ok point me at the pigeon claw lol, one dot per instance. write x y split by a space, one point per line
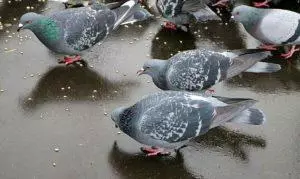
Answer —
170 25
267 47
221 3
153 151
71 60
261 4
290 53
210 91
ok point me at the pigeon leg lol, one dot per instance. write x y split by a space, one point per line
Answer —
170 25
154 151
261 4
221 3
210 91
290 53
70 60
267 47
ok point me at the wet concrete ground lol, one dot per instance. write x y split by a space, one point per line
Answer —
45 107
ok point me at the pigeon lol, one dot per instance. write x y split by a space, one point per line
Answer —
180 13
196 70
168 120
72 31
272 27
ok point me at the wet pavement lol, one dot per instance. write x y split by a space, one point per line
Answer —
55 123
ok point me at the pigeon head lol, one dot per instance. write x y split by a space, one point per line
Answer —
242 13
157 70
153 67
247 15
116 115
28 20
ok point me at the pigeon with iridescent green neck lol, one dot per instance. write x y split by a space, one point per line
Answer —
72 31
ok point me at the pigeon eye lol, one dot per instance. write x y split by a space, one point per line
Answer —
28 22
147 67
238 13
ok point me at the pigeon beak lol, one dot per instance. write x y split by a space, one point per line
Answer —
140 72
20 27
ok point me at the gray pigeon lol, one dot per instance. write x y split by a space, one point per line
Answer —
168 120
181 12
195 70
272 27
71 31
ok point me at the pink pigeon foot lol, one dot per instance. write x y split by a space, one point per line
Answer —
71 60
153 151
290 53
210 91
268 47
221 3
170 25
261 4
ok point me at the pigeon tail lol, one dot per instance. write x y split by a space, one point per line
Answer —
250 116
244 60
226 113
206 14
140 14
264 67
127 12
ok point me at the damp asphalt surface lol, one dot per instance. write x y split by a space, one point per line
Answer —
55 122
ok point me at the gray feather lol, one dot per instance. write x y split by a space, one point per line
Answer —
195 70
264 67
170 119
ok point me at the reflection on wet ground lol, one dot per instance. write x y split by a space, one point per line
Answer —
286 80
72 84
167 43
132 165
85 133
229 141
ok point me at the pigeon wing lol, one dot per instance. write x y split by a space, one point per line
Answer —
279 27
84 27
169 8
195 70
177 119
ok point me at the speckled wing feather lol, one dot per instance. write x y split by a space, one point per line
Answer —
194 5
177 119
197 69
169 8
279 27
84 27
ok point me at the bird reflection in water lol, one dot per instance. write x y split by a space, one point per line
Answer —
139 166
167 43
136 166
228 141
283 81
74 84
